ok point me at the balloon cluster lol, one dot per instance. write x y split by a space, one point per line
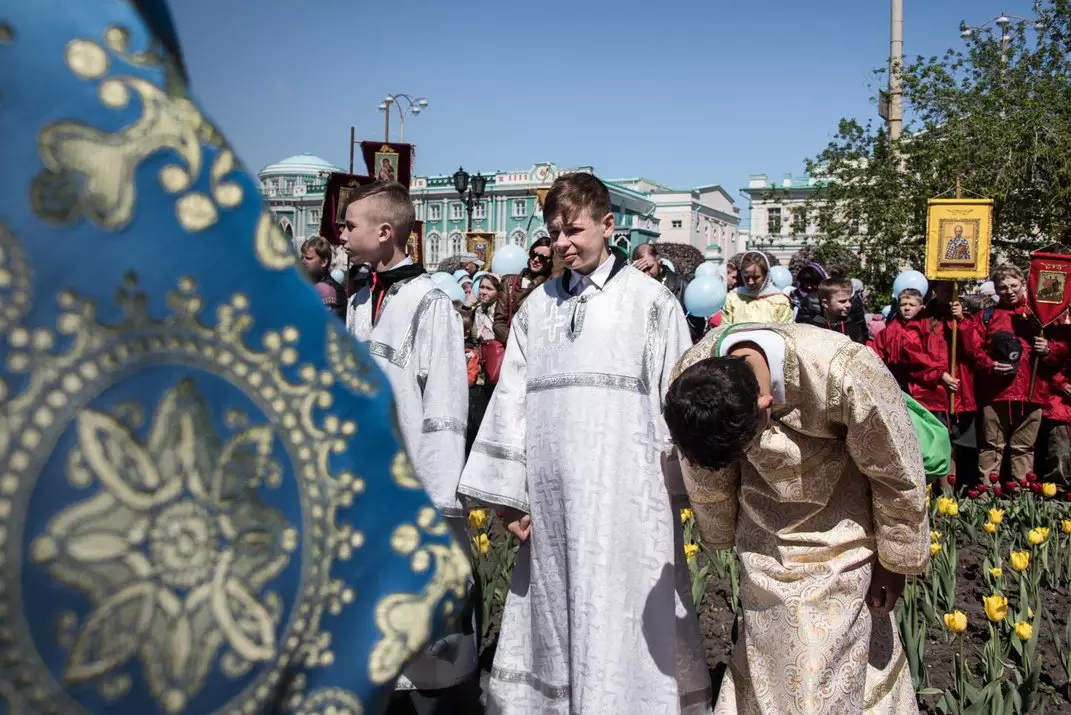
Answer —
704 296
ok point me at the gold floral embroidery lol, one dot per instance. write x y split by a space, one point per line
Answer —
358 376
405 619
332 701
404 474
14 281
172 545
91 172
270 245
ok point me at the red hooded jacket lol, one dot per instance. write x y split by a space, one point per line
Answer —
889 344
926 357
991 387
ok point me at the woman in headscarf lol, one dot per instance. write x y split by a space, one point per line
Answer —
805 298
756 299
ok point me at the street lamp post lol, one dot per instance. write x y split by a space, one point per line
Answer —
412 106
470 189
1005 22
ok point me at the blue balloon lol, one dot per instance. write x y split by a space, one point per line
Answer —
886 311
453 289
478 275
509 260
704 296
442 278
781 277
706 268
460 273
910 279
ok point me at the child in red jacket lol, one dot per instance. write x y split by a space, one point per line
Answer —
926 358
1053 461
889 343
1011 407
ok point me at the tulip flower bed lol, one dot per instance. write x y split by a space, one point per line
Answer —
986 630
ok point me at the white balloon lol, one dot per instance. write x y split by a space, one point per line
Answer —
453 289
509 260
707 268
442 278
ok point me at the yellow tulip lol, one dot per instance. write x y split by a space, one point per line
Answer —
943 504
686 515
997 572
1020 560
482 544
935 535
929 488
927 502
956 621
952 509
1066 526
1044 532
935 549
996 607
1024 630
478 518
690 550
996 515
990 527
1036 536
1048 489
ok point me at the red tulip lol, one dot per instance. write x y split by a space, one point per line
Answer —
951 480
1024 483
1035 487
1010 487
500 514
994 478
1031 477
997 491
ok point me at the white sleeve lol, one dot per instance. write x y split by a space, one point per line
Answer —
496 472
443 379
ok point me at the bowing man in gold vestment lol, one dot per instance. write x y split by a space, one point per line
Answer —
796 447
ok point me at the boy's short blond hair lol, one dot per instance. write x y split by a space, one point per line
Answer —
832 286
389 203
909 293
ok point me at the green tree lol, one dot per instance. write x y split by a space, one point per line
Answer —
995 114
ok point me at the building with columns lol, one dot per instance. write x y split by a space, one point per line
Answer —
509 209
294 191
705 217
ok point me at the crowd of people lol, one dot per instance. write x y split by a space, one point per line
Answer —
577 400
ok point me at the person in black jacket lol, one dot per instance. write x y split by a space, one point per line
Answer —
646 260
836 299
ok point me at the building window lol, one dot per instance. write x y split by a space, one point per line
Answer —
435 212
314 217
517 238
773 221
289 186
433 245
457 211
457 244
479 211
676 224
520 208
799 221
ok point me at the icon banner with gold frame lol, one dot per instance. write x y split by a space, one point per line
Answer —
481 245
415 246
958 236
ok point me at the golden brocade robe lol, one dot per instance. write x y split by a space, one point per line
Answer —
834 481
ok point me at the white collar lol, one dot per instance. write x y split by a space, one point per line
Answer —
597 277
773 346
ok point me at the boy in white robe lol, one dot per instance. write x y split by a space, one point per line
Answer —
599 618
415 334
798 449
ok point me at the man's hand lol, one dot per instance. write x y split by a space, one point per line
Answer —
1003 368
518 523
957 310
885 589
644 264
950 382
1041 345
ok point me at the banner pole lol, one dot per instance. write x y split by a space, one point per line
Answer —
955 341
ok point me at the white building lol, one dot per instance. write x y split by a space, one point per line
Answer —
705 217
779 221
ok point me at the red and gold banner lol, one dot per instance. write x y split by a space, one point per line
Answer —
332 211
1049 286
389 162
415 248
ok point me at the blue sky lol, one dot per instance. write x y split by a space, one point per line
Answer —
685 92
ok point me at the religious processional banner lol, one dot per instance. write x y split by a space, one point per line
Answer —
1048 285
481 245
336 195
415 247
389 162
958 238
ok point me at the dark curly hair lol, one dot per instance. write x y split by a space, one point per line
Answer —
712 411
